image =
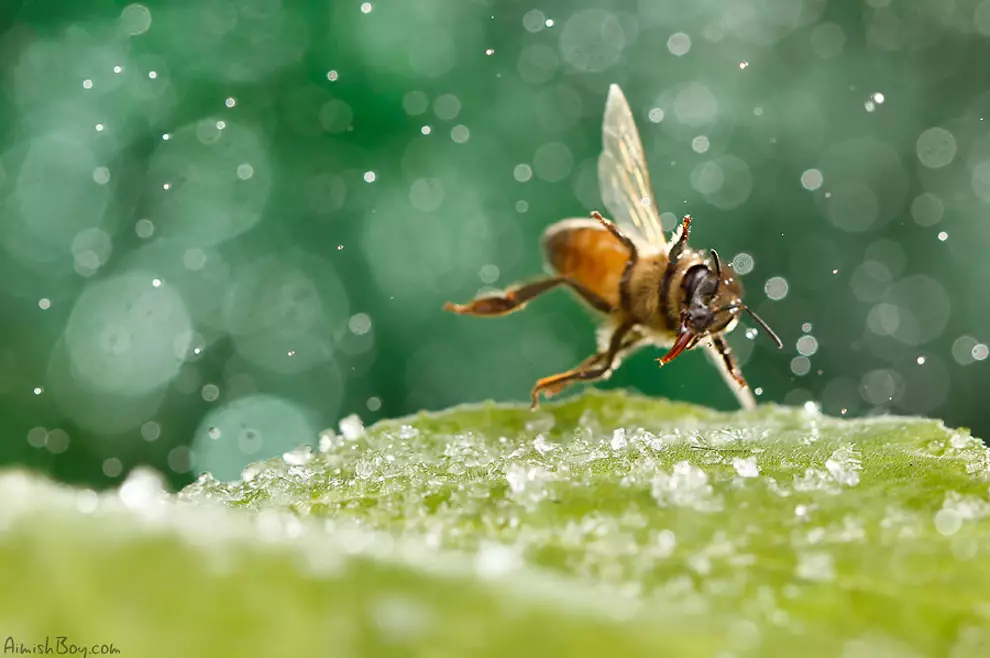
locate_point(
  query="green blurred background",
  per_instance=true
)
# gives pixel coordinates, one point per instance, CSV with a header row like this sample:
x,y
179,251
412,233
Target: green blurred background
x,y
227,224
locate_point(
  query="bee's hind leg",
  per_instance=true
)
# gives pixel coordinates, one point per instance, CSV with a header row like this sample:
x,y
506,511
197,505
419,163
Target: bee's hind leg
x,y
511,299
516,297
594,367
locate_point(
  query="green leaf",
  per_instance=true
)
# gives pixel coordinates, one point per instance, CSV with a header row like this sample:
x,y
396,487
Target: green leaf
x,y
608,524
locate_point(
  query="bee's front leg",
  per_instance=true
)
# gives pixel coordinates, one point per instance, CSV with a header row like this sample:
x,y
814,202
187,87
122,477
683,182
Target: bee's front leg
x,y
680,239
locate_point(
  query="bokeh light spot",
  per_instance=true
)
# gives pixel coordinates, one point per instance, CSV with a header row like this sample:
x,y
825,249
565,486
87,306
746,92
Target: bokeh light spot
x,y
552,162
811,179
927,209
247,429
776,288
679,44
743,263
936,147
121,332
135,19
592,40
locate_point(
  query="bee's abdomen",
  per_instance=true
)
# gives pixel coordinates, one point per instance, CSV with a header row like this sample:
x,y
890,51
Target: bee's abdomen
x,y
587,254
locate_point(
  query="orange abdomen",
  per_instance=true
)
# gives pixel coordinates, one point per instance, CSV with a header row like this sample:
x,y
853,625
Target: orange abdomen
x,y
587,254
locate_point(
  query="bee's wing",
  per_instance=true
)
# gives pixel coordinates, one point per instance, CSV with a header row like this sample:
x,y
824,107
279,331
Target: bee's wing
x,y
622,174
744,395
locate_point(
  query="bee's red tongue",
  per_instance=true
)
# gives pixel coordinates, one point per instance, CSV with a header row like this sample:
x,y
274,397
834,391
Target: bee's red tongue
x,y
684,338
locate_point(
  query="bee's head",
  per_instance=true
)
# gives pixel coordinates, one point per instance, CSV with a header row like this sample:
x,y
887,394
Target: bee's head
x,y
712,299
712,304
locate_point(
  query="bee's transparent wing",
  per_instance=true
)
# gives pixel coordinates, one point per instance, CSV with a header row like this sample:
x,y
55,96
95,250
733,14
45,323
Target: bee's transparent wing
x,y
623,176
744,395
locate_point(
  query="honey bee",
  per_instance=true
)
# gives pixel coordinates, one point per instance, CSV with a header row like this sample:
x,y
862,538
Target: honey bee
x,y
649,292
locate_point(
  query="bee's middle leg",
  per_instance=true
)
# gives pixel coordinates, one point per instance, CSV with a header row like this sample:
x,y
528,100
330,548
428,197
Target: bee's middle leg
x,y
594,367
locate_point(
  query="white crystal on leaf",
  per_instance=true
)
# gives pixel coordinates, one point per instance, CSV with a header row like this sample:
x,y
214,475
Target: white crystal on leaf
x,y
352,427
747,467
686,486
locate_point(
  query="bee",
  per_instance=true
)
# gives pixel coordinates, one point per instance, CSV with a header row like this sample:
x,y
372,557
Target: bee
x,y
648,291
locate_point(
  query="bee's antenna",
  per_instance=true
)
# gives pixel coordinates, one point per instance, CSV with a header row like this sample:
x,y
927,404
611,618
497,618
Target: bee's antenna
x,y
766,327
718,271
